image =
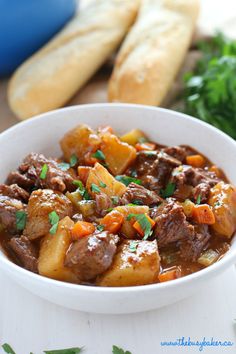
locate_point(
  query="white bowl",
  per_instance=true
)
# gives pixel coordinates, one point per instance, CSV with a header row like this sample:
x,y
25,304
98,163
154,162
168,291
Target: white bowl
x,y
42,134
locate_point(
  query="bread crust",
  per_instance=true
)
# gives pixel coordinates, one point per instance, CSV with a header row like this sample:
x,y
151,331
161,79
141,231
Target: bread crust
x,y
153,51
55,73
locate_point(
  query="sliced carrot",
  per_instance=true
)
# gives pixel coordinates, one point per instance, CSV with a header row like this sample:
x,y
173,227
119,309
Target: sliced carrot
x,y
195,160
171,274
81,229
89,159
145,146
113,221
83,172
138,227
216,170
203,214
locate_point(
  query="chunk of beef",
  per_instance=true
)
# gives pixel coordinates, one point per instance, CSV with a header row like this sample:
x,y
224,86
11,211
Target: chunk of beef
x,y
91,256
103,203
139,195
177,152
185,176
171,224
41,203
155,169
191,248
8,208
28,174
14,191
25,252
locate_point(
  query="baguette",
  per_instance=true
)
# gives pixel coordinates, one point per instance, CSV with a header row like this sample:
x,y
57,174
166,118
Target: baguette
x,y
153,51
52,76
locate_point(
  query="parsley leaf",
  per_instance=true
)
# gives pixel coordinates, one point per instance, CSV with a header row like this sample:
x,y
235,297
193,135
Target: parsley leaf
x,y
198,201
127,180
64,166
44,171
168,191
116,350
73,160
133,246
20,219
64,351
80,188
99,155
143,222
103,185
100,227
54,220
115,200
8,349
95,188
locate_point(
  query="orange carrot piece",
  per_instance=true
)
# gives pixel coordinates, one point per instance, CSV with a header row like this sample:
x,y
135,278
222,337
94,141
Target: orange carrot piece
x,y
171,274
83,172
145,146
216,170
138,227
113,221
195,160
89,159
81,229
203,214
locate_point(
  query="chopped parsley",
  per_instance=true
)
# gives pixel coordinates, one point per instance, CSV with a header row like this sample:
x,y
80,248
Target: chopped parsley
x,y
54,220
133,173
8,349
142,139
44,171
100,227
127,180
64,166
168,191
64,351
115,200
198,201
99,155
143,222
133,246
95,188
149,153
103,185
78,184
81,189
73,160
117,350
20,220
137,202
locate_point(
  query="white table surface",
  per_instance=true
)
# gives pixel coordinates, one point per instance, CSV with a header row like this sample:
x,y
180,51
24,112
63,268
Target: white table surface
x,y
30,324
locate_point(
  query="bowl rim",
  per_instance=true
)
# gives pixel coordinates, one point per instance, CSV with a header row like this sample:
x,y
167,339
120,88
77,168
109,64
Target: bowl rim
x,y
228,259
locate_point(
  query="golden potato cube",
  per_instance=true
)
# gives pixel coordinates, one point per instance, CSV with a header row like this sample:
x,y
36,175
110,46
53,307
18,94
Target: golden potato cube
x,y
127,226
133,267
53,251
223,202
77,142
133,137
104,181
118,155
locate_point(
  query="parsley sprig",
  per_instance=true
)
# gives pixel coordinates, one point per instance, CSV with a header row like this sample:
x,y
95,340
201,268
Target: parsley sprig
x,y
54,220
143,222
20,219
168,191
127,179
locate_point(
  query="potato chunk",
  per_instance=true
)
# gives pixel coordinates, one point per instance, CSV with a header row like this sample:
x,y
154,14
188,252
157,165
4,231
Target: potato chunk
x,y
77,142
104,181
127,226
118,155
223,201
130,268
133,137
53,252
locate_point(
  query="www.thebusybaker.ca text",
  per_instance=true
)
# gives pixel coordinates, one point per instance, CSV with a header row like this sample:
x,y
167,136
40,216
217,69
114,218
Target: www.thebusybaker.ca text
x,y
200,344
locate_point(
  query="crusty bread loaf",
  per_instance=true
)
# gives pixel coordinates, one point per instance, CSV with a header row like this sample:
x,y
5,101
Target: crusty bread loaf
x,y
53,75
153,51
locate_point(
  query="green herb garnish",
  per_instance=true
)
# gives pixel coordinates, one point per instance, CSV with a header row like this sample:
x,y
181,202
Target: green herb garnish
x,y
64,351
20,219
127,180
64,166
78,184
116,350
100,227
133,246
44,171
137,202
133,173
115,200
99,155
95,188
103,185
149,153
143,222
168,191
198,201
8,349
73,160
54,220
210,90
81,189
